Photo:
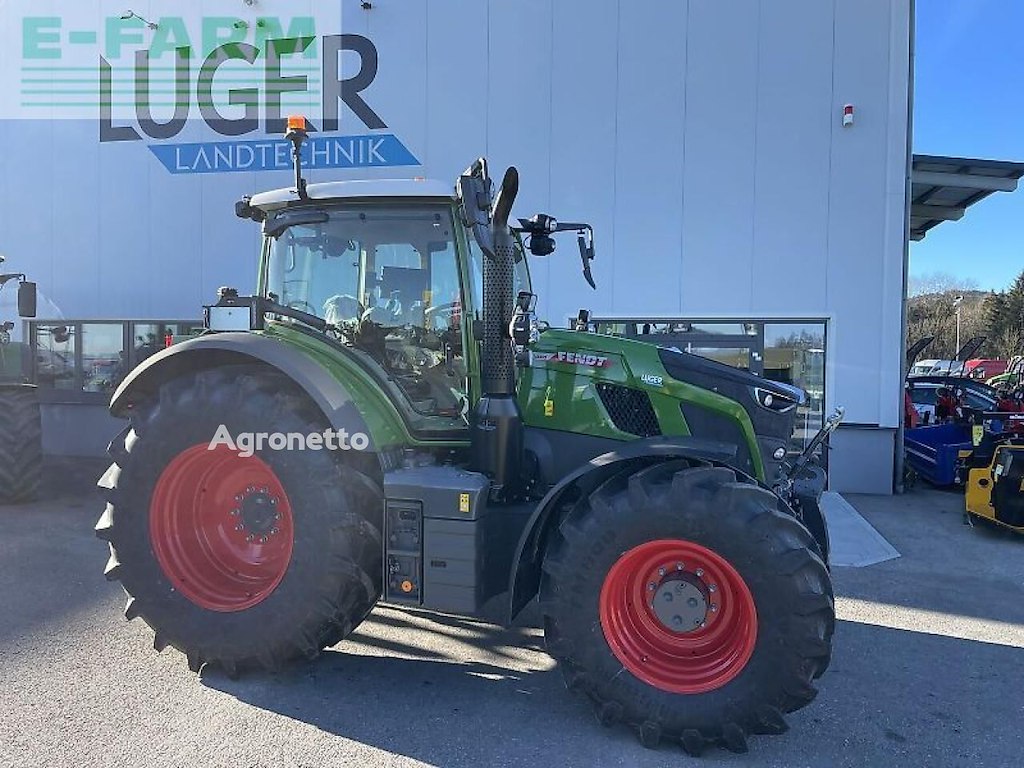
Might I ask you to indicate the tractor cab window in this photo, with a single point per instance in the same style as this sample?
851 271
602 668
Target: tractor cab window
386 279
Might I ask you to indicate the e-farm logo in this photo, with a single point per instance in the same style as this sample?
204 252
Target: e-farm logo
241 78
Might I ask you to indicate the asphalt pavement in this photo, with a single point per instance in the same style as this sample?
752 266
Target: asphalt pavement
927 671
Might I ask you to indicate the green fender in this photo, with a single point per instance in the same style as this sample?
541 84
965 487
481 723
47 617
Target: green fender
335 391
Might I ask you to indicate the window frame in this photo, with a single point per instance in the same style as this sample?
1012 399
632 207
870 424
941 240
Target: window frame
76 395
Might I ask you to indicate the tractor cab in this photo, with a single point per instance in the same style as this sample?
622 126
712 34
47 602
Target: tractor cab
416 279
388 269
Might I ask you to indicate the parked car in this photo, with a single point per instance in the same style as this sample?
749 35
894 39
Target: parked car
936 368
924 394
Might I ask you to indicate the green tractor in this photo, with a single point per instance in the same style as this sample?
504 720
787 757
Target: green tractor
386 420
21 437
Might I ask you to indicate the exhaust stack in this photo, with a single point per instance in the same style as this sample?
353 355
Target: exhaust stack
497 426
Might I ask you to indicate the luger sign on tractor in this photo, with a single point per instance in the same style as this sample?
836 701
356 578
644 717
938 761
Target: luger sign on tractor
243 84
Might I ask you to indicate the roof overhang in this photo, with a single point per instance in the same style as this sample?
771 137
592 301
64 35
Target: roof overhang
942 188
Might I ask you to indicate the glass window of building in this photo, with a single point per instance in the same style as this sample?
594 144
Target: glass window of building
104 362
55 347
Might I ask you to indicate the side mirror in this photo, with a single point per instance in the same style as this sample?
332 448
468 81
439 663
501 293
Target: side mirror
27 299
474 191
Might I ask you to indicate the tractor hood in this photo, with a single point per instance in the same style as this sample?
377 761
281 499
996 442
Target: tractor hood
681 364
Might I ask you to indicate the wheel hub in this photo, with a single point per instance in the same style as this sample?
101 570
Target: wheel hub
678 616
258 513
680 605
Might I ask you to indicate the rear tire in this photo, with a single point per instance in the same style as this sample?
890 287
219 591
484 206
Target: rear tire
767 622
278 587
21 444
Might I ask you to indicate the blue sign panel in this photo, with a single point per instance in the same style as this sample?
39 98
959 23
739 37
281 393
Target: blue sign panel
377 150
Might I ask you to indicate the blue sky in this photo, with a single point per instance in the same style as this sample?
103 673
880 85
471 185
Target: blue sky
969 102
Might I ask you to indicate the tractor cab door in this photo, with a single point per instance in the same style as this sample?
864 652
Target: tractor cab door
411 292
386 278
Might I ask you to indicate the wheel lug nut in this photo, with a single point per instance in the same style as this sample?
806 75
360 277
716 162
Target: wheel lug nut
250 537
679 566
712 587
250 489
235 512
700 572
661 571
263 539
652 586
277 516
274 531
273 501
239 498
239 527
263 489
713 608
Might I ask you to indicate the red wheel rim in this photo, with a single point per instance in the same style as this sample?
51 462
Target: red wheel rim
221 528
678 616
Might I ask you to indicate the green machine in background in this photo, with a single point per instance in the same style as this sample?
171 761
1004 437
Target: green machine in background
642 495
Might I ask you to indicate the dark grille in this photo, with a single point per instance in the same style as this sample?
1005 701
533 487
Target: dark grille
629 409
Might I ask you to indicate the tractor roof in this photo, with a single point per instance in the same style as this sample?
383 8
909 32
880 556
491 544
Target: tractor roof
362 189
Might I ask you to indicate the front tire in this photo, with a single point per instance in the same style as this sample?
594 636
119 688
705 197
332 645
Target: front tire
237 561
684 603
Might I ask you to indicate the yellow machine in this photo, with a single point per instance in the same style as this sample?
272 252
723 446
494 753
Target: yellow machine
995 491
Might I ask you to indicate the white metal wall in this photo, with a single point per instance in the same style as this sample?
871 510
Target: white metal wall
703 139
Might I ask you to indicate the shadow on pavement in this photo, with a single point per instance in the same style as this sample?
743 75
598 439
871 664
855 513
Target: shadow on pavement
891 696
434 708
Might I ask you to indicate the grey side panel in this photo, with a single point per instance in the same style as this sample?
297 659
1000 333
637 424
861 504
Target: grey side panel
453 554
330 395
524 578
436 534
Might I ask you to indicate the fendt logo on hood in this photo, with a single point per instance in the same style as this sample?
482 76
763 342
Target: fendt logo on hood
154 80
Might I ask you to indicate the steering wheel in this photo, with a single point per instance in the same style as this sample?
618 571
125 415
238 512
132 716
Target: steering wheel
444 311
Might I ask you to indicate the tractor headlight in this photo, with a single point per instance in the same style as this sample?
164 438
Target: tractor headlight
773 401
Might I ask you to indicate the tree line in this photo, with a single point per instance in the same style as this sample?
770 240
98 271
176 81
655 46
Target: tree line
996 315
